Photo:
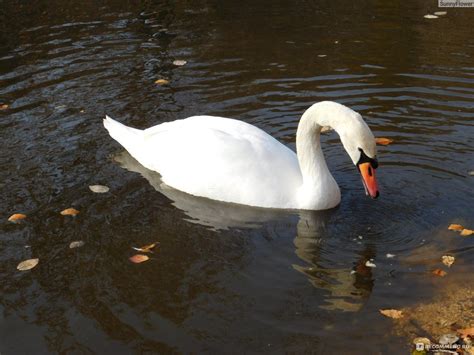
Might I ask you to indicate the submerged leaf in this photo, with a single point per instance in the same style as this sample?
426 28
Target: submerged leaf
27 264
447 260
162 82
16 217
70 212
466 232
138 258
391 313
383 141
76 244
99 189
455 227
439 272
179 62
146 248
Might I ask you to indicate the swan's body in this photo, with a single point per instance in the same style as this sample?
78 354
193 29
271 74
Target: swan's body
229 160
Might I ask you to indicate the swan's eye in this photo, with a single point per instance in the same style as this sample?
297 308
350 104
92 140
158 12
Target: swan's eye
365 159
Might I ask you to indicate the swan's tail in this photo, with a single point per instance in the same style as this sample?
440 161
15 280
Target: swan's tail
128 137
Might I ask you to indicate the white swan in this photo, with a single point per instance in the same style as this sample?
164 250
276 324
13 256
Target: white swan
232 161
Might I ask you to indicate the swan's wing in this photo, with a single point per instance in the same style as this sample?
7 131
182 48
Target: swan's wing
222 159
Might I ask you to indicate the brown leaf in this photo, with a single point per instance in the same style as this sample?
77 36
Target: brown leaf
391 313
146 248
466 232
138 258
439 272
70 212
448 260
383 141
467 332
162 82
455 227
4 107
27 264
16 217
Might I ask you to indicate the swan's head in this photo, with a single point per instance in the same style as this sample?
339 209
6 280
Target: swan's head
359 142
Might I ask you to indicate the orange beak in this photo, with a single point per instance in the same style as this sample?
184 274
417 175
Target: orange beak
368 177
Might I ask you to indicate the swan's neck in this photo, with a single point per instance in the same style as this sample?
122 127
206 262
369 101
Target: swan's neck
319 187
308 147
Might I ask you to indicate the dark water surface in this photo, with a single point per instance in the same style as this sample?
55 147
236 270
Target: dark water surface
227 278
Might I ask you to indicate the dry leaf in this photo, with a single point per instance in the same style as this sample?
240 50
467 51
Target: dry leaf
439 272
99 189
138 258
146 248
179 62
383 141
27 264
16 217
455 227
448 260
391 313
76 244
162 82
325 129
467 332
466 232
70 212
3 107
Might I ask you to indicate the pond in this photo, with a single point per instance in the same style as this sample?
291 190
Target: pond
228 278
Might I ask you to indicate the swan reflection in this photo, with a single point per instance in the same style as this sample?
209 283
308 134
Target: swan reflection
343 288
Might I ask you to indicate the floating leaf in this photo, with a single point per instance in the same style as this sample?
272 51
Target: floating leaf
76 244
368 263
448 260
440 13
391 313
179 62
383 141
99 189
390 255
439 272
467 332
27 264
162 82
430 16
15 218
4 107
455 227
138 258
466 232
70 212
322 55
146 248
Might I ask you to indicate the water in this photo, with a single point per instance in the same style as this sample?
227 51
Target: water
227 278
